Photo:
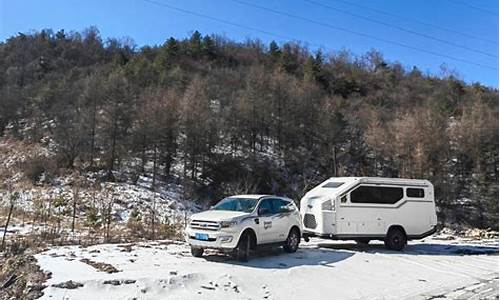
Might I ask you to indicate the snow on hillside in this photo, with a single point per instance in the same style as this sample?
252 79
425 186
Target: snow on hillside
124 196
434 267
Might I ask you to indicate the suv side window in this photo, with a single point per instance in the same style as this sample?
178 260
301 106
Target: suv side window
278 203
267 205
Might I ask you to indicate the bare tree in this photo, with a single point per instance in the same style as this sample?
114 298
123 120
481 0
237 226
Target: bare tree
107 202
244 185
76 195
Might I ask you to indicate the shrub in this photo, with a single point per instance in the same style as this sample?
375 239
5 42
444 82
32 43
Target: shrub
39 168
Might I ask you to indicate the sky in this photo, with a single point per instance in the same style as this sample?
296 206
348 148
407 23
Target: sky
459 34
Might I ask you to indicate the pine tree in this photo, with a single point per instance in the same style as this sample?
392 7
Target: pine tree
195 44
274 51
208 48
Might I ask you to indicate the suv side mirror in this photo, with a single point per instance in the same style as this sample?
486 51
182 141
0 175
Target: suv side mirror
263 211
285 209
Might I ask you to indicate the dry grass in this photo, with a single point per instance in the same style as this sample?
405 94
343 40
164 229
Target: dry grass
21 278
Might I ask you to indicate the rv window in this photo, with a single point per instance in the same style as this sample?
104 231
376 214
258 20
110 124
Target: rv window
391 195
332 184
415 193
343 199
366 194
377 195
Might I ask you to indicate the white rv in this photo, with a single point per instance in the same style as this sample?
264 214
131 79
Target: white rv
370 208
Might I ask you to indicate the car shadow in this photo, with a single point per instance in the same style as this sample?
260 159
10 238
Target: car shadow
416 249
276 258
328 253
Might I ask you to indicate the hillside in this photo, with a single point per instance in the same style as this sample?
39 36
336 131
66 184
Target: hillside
193 120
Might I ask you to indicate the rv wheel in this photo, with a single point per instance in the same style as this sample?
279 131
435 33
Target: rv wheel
196 252
395 239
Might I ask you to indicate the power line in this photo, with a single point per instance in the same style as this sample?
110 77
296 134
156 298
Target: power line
330 26
292 38
400 28
474 7
382 12
281 36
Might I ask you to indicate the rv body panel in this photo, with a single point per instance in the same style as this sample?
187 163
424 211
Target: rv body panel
369 207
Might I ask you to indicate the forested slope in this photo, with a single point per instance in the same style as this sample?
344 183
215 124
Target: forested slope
222 117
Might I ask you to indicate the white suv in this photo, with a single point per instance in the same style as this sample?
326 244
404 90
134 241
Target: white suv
240 223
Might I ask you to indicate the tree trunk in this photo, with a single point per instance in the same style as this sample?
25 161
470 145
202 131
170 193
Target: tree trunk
193 165
108 220
143 154
334 156
279 124
154 194
7 225
113 149
49 214
75 200
168 165
155 154
92 133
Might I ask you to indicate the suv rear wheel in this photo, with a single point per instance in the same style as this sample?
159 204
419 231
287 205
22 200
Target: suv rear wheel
292 241
395 239
243 247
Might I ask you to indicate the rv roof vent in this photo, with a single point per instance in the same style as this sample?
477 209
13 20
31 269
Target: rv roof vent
332 184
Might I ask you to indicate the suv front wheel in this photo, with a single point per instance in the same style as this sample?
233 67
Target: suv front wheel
243 247
196 252
292 241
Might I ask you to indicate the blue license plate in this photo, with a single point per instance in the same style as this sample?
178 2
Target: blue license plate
201 236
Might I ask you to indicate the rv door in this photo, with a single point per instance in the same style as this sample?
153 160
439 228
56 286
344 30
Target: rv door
345 220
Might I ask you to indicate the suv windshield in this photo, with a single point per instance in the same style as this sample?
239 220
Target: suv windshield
236 204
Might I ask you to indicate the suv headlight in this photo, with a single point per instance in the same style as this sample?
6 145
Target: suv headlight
227 224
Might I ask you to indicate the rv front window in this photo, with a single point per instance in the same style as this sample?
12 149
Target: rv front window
327 205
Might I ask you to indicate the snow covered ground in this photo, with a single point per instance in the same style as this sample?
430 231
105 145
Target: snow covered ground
436 267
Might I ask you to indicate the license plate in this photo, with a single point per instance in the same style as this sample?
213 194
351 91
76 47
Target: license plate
201 236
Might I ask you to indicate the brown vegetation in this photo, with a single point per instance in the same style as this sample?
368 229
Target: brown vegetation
222 112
